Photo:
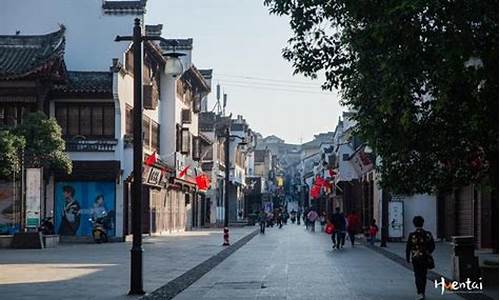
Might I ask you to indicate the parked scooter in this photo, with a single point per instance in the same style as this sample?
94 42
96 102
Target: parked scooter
98 229
46 226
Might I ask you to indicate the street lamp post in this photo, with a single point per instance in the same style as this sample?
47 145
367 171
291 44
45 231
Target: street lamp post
227 162
226 185
136 281
136 287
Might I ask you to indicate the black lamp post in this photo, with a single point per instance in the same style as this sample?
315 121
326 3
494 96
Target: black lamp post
136 282
226 185
227 163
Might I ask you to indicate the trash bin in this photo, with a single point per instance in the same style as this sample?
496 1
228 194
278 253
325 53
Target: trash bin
465 263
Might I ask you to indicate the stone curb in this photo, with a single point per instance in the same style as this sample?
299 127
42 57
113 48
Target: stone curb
431 275
177 285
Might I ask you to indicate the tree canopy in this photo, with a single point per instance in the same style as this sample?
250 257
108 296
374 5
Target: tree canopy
38 141
11 146
422 77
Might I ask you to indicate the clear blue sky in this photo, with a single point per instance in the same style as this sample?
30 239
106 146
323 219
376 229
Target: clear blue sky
239 39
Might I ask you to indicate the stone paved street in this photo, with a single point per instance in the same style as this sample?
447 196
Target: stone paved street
91 271
292 263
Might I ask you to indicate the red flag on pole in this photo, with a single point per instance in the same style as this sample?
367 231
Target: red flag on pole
184 171
202 182
321 182
152 159
315 191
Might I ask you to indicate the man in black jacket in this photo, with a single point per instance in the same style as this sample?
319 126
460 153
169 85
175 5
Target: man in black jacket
419 247
338 221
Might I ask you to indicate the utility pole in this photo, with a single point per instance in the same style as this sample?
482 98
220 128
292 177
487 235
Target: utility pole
136 270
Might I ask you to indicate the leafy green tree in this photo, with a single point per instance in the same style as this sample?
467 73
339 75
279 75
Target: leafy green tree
11 147
44 143
421 75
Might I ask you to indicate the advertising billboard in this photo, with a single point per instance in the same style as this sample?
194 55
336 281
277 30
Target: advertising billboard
77 203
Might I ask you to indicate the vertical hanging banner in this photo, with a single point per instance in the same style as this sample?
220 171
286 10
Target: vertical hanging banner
33 196
396 219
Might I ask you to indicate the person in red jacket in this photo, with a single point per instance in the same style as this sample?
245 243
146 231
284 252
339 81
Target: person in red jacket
373 232
353 224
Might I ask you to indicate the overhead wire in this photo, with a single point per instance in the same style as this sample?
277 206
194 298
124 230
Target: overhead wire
289 90
256 78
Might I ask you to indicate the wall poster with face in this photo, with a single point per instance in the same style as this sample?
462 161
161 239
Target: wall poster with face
80 203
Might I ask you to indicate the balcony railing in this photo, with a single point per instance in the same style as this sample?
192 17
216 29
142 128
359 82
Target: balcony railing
91 145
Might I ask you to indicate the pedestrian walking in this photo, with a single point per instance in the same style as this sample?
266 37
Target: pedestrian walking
293 216
299 215
269 220
262 221
419 250
312 216
322 220
353 224
285 216
372 232
306 221
279 219
339 223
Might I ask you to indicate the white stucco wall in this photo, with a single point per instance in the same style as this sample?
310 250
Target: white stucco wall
424 205
90 33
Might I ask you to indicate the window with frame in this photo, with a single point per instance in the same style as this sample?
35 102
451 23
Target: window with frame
129 120
146 131
186 116
197 103
155 135
151 133
196 148
178 137
91 120
186 141
12 114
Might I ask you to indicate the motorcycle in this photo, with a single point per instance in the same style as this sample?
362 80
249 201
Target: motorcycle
46 226
99 229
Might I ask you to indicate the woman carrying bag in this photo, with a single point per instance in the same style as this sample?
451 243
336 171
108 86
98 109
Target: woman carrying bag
419 247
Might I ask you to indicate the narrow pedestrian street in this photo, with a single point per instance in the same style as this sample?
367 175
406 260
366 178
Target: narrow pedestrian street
143 144
292 263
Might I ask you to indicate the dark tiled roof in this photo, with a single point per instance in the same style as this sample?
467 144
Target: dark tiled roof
124 7
88 82
206 73
22 56
206 121
154 30
180 44
239 126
